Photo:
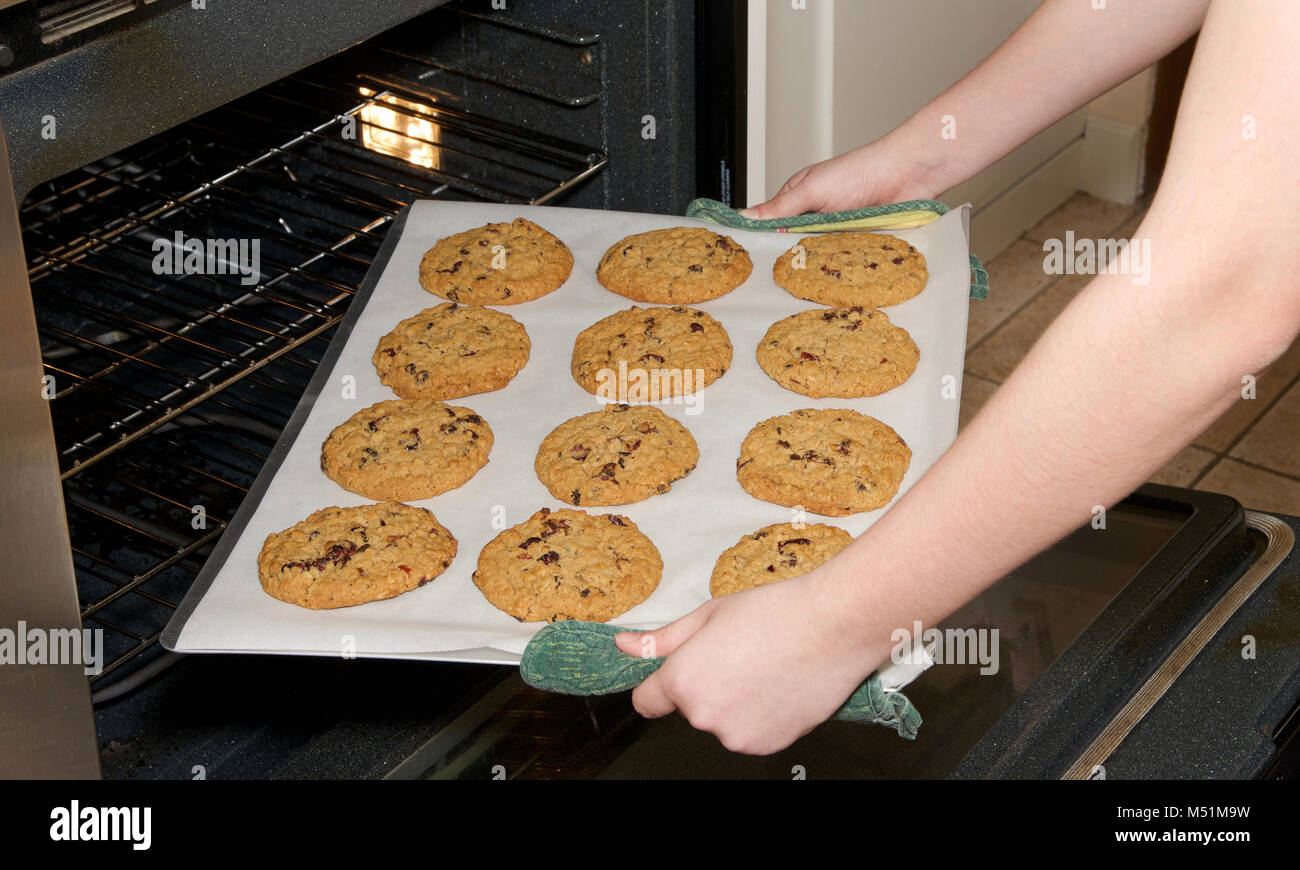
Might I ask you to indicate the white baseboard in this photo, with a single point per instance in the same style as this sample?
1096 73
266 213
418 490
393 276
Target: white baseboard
1107 161
1114 161
995 225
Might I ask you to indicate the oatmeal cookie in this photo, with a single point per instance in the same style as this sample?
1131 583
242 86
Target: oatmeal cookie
842 352
674 266
343 556
406 449
833 462
496 264
569 564
618 455
847 269
450 351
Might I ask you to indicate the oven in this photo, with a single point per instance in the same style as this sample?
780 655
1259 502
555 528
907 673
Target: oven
140 406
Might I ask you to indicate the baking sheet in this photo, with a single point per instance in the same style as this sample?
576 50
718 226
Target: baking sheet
704 513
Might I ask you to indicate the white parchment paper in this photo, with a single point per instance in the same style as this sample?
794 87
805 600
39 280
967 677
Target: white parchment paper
705 513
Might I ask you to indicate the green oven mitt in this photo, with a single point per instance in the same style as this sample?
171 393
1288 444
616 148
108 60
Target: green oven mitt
896 216
579 658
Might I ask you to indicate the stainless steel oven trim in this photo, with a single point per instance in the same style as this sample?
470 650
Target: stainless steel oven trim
1281 540
171 634
46 725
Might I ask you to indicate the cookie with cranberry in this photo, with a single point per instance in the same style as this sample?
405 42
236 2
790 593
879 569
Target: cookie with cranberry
406 449
674 266
619 455
496 264
569 564
648 354
846 269
774 553
832 462
450 351
343 556
842 352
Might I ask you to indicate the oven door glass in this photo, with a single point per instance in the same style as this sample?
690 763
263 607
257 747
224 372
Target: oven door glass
1038 610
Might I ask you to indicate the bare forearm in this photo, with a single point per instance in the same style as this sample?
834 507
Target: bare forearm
1064 55
1129 373
1104 400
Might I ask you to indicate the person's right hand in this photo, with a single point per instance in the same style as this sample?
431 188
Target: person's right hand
863 177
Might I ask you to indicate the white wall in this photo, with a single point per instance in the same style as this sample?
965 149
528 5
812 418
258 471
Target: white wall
840 73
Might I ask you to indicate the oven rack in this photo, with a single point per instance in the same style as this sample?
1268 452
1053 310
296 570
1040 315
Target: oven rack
185 381
147 347
143 523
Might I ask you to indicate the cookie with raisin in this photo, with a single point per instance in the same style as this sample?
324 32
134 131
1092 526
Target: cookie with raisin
773 553
833 462
450 351
619 455
846 269
648 354
344 556
406 449
675 266
569 564
841 352
496 264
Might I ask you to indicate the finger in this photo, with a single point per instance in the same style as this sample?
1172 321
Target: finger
781 204
776 207
791 203
661 642
651 697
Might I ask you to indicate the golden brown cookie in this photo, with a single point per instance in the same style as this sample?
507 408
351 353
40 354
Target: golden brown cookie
674 266
341 556
450 351
618 455
496 264
846 269
569 564
843 352
834 462
648 354
406 449
774 553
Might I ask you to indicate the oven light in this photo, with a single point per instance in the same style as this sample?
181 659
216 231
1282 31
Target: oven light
396 127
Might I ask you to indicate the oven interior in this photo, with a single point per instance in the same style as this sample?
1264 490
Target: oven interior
167 391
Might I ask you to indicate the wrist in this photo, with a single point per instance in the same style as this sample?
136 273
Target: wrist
925 160
852 611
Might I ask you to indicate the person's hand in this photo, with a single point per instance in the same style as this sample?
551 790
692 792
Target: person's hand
761 668
867 176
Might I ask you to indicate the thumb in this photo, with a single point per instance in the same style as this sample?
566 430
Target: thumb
794 198
789 203
662 641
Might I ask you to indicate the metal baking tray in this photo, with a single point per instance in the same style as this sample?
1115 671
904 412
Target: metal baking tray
448 619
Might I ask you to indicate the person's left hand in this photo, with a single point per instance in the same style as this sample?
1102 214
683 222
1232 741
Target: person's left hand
759 669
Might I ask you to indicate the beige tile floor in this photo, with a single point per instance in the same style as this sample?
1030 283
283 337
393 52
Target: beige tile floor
1252 452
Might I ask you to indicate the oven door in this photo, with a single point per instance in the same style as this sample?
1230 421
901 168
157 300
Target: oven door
1110 645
